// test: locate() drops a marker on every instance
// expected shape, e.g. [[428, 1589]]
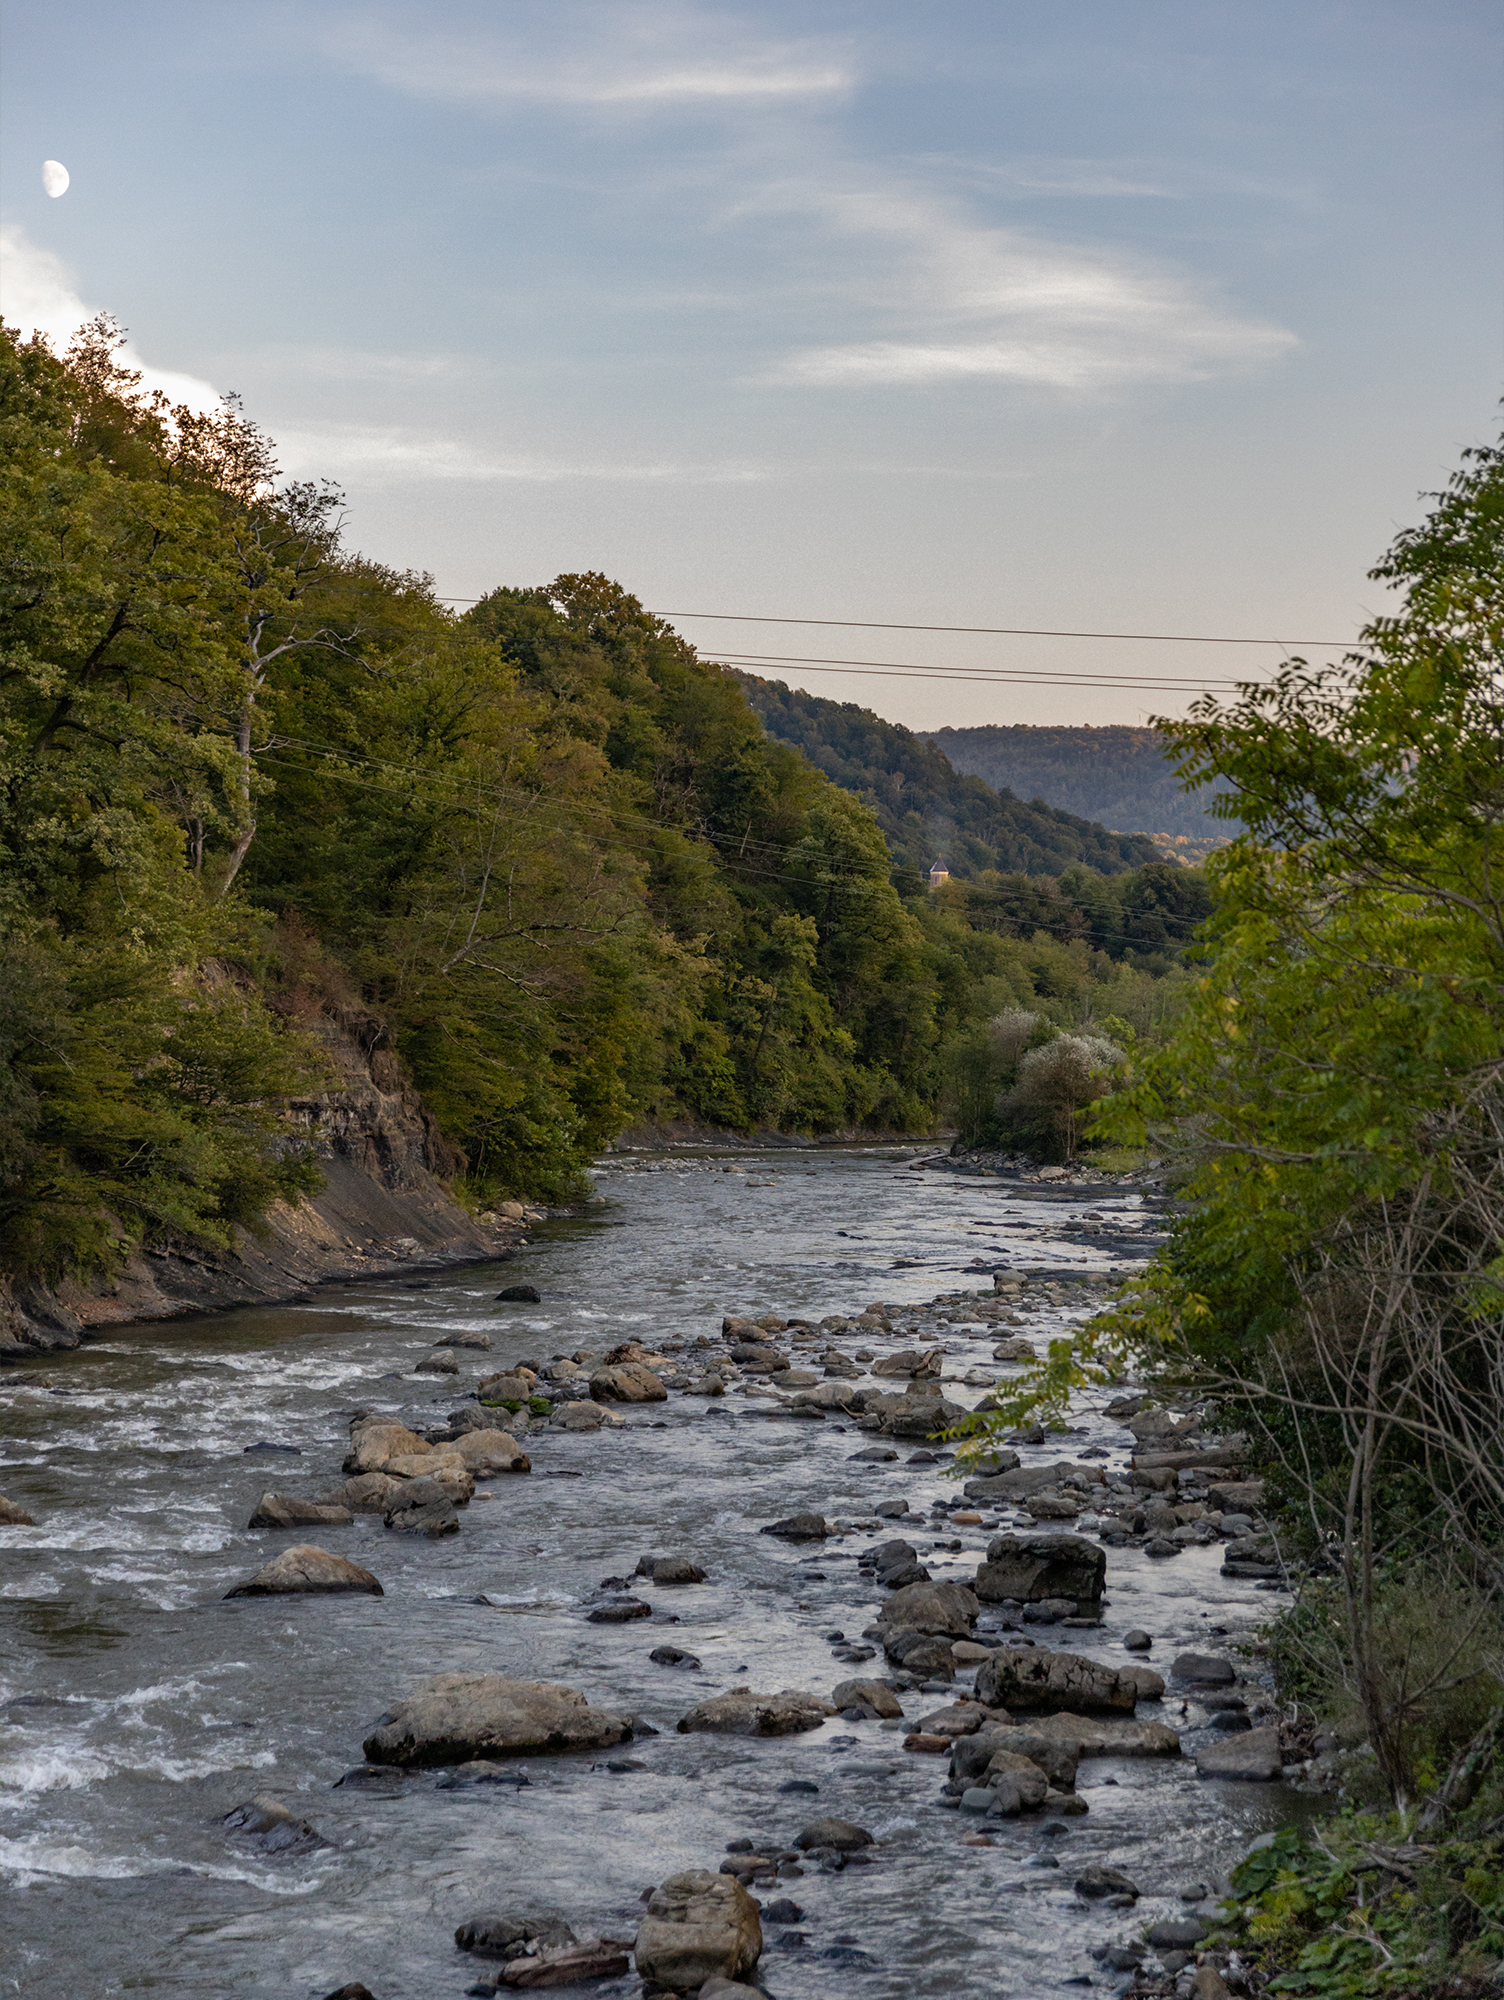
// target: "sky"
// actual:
[[1149, 318]]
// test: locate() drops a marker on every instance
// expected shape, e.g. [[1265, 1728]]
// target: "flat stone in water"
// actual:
[[620, 1613], [1205, 1669], [480, 1772]]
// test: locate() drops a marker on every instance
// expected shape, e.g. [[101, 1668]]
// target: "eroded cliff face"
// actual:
[[384, 1207]]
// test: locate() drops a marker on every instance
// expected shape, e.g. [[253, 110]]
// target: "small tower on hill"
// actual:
[[938, 874]]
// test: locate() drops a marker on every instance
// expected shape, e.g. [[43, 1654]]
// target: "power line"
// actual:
[[1147, 683], [990, 631], [1003, 676], [1001, 631]]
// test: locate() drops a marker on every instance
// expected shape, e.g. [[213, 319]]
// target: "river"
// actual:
[[138, 1706]]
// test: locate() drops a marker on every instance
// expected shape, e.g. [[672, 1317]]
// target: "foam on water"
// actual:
[[38, 1584], [35, 1858]]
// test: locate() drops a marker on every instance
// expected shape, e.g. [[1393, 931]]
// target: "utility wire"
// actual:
[[1000, 631], [984, 674], [990, 631], [1147, 683]]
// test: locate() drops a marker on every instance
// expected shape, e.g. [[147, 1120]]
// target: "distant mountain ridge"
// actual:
[[1111, 772], [926, 807]]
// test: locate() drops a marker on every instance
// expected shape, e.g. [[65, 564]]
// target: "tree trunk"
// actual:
[[1469, 1768]]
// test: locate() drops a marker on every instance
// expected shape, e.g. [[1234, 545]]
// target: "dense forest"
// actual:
[[254, 782], [1122, 776], [1331, 1107], [926, 808]]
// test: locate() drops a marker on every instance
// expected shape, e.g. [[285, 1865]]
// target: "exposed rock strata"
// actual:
[[383, 1207]]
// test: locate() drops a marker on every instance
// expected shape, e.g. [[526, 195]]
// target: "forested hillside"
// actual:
[[254, 783], [925, 805], [1118, 775]]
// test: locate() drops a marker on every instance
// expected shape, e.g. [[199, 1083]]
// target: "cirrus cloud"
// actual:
[[647, 55], [949, 299]]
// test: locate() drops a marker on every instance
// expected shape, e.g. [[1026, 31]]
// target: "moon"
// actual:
[[54, 178]]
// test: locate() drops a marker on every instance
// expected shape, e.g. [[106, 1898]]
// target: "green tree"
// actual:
[[1333, 1098]]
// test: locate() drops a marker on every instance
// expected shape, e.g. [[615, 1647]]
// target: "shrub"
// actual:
[[1055, 1087]]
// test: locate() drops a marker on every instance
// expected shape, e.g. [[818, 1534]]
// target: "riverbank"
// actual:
[[167, 1706], [384, 1207]]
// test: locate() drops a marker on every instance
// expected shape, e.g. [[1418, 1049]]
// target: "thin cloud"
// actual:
[[955, 300], [646, 58], [381, 456], [38, 295], [1083, 180], [355, 364]]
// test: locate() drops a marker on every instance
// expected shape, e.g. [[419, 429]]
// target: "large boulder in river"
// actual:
[[1026, 1480], [274, 1827], [1110, 1735], [912, 1362], [366, 1493], [1056, 1756], [444, 1468], [740, 1712], [1030, 1568], [1015, 1349], [919, 1653], [1253, 1556], [1150, 1685], [931, 1607], [669, 1569], [14, 1515], [373, 1440], [826, 1396], [896, 1563], [453, 1718], [842, 1834], [1010, 1767], [1204, 1669], [307, 1571], [487, 1453], [698, 1927], [291, 1510], [1254, 1757], [627, 1382], [507, 1388], [584, 1416], [1034, 1678], [422, 1507], [874, 1697], [493, 1936], [799, 1528], [921, 1413], [470, 1417]]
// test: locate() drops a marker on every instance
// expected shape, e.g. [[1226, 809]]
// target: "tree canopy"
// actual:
[[251, 779]]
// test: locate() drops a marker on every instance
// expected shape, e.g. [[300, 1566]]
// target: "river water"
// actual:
[[137, 1706]]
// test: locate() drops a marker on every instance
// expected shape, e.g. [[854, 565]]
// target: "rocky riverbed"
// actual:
[[615, 1619]]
